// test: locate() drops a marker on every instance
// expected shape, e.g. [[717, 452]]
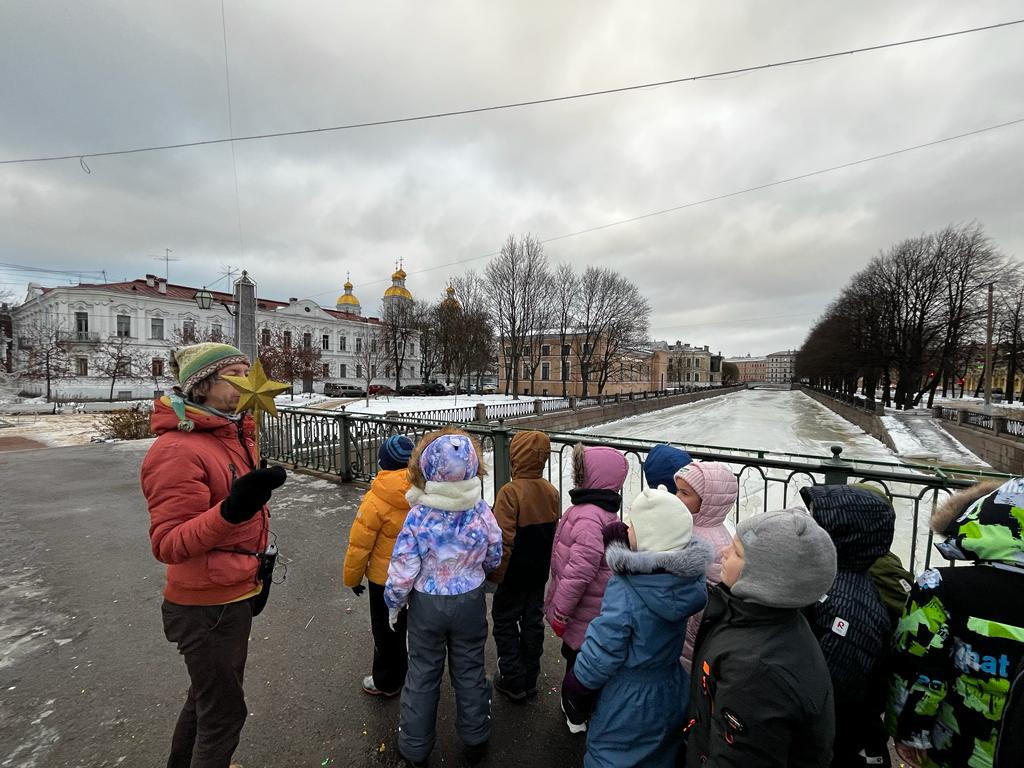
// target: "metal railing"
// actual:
[[982, 420], [346, 445]]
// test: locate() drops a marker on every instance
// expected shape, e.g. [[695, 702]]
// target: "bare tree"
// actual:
[[117, 359], [399, 328], [371, 353], [45, 343], [286, 358], [478, 342], [565, 300], [515, 278], [431, 352]]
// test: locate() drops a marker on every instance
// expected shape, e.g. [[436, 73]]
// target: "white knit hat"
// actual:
[[660, 521]]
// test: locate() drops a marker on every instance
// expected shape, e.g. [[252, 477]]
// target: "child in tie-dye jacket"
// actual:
[[449, 542]]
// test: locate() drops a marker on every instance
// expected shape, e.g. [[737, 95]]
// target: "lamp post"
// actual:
[[244, 312], [988, 355]]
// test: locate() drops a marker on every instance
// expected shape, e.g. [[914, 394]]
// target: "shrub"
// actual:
[[127, 424]]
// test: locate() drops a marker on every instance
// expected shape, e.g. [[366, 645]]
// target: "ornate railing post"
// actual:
[[836, 469], [346, 447], [501, 435]]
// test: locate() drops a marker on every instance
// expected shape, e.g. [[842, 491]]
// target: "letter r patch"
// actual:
[[840, 626]]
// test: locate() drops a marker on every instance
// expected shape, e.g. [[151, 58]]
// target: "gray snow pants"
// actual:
[[455, 625]]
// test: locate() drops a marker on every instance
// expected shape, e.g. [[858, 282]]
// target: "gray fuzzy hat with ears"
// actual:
[[789, 561]]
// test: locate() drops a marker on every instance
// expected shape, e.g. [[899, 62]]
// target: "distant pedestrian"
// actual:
[[852, 624], [209, 523], [579, 573], [708, 489], [956, 689], [527, 508], [371, 541], [760, 693], [448, 544], [629, 660]]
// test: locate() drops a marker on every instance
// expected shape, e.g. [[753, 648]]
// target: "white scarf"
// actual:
[[451, 497]]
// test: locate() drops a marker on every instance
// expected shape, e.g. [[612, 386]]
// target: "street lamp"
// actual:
[[242, 307], [204, 298]]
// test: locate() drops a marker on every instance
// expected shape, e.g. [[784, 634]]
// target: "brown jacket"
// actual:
[[527, 509]]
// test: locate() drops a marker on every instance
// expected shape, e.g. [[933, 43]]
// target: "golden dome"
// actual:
[[399, 291], [399, 274], [347, 298]]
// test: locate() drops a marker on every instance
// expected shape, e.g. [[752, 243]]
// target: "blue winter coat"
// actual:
[[631, 652]]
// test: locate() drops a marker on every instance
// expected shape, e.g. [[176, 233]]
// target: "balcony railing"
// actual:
[[79, 337], [346, 445]]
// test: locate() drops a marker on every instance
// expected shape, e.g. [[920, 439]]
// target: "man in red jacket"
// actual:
[[209, 523]]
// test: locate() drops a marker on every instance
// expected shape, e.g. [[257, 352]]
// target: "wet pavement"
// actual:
[[88, 680]]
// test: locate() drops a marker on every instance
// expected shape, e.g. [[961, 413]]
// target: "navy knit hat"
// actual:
[[394, 452]]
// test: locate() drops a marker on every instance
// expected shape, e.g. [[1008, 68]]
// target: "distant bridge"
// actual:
[[780, 385]]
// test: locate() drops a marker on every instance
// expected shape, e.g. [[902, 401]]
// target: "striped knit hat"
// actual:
[[394, 452], [193, 363]]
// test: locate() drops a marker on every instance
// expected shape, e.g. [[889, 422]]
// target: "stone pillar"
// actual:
[[572, 403], [616, 398], [538, 407], [961, 416], [600, 399], [937, 412], [880, 408], [998, 425], [481, 413]]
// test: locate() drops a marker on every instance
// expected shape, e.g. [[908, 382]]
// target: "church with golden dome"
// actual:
[[396, 294]]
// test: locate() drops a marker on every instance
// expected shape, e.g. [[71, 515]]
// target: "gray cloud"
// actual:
[[746, 274]]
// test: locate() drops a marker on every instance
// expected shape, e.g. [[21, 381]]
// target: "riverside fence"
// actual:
[[346, 445]]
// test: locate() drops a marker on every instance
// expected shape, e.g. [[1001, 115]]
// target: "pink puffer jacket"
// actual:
[[716, 485], [579, 573]]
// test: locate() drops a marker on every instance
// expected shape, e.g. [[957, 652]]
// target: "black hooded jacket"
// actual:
[[760, 693]]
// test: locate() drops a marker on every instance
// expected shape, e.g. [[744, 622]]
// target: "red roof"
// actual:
[[187, 293]]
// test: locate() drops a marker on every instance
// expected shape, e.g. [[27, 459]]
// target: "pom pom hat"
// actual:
[[394, 452], [660, 521], [193, 363], [789, 561]]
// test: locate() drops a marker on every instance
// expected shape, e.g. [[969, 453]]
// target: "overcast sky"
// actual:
[[746, 274]]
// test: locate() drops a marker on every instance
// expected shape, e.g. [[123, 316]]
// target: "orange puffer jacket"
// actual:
[[378, 523], [185, 477]]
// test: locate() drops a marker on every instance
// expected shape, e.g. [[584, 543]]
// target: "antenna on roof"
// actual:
[[166, 259], [229, 272]]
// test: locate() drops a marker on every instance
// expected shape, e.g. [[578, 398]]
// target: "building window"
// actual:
[[526, 371], [565, 350], [342, 345], [387, 371], [412, 348], [216, 332], [124, 368], [265, 337], [527, 350], [82, 366], [566, 370], [287, 339], [359, 344], [359, 371], [81, 324], [307, 341], [508, 351], [545, 372], [341, 368], [156, 328], [124, 326], [696, 376], [326, 371], [586, 349], [188, 331], [325, 342], [545, 350], [157, 367], [373, 346], [373, 372]]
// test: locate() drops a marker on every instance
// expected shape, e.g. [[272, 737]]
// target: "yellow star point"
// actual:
[[257, 390]]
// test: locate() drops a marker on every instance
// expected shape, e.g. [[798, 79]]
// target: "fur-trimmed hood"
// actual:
[[666, 582], [983, 523]]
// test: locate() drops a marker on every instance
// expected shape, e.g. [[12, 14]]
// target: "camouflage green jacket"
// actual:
[[961, 638]]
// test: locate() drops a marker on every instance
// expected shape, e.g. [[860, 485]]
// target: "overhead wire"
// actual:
[[715, 198], [81, 156]]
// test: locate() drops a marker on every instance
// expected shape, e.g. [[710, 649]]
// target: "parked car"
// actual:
[[431, 388], [334, 389], [488, 389], [381, 389]]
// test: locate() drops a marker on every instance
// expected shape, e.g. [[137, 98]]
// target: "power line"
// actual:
[[724, 196], [515, 104], [43, 270]]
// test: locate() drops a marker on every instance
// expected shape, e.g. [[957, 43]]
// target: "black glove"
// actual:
[[250, 492], [359, 589], [617, 531], [578, 701]]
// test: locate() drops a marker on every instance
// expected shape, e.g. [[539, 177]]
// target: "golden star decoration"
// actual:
[[257, 390]]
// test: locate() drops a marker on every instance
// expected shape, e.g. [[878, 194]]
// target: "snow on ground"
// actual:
[[919, 438], [381, 404], [54, 431]]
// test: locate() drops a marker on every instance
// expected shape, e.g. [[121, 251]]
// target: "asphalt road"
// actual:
[[88, 680]]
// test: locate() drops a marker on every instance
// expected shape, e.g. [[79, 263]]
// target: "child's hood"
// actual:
[[599, 467], [670, 584], [984, 522], [529, 453], [390, 486], [859, 522], [716, 485]]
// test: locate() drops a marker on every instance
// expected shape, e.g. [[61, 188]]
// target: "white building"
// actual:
[[780, 367], [153, 316]]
